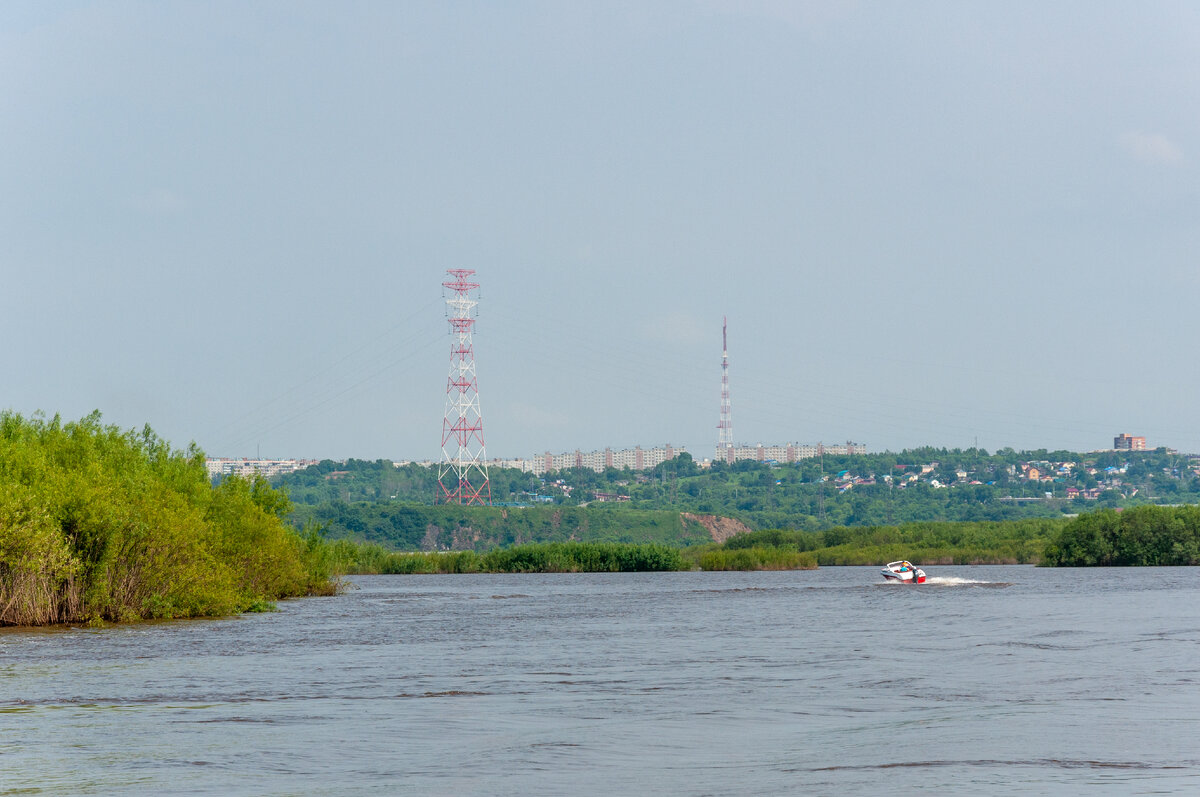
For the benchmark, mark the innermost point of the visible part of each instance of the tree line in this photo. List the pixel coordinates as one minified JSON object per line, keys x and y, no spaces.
{"x":1146,"y":535}
{"x":887,"y":489}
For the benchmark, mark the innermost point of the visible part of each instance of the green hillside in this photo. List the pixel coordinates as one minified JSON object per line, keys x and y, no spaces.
{"x":415,"y":527}
{"x":377,"y":501}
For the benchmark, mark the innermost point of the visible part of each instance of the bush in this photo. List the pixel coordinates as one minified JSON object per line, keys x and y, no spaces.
{"x":1144,"y":535}
{"x":98,"y":524}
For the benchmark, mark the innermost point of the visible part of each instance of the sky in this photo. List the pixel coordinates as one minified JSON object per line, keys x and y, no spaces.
{"x":928,"y":223}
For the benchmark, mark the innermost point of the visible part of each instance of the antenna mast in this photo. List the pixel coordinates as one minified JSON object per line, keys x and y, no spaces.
{"x":462,"y":476}
{"x":725,"y":425}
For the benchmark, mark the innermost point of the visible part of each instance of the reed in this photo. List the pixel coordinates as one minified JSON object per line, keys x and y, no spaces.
{"x":757,"y":559}
{"x":974,"y":542}
{"x":565,"y":557}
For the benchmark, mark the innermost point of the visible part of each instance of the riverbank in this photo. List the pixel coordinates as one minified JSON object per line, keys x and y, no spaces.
{"x":939,"y":543}
{"x":1015,"y":542}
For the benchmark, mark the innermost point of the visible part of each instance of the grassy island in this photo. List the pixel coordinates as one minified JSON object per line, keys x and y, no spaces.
{"x":1137,"y":536}
{"x":936,"y":543}
{"x":983,"y":542}
{"x":99,"y":524}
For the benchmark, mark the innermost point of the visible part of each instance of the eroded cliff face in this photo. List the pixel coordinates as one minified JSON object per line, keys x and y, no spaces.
{"x":720,"y":528}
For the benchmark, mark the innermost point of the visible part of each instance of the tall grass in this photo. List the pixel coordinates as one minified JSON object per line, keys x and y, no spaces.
{"x":983,"y":542}
{"x":558,"y":557}
{"x":756,"y":559}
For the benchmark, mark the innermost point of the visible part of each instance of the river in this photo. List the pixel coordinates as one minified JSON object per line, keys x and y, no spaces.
{"x":987,"y":680}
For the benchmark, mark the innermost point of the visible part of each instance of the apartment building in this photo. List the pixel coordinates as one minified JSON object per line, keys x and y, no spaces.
{"x":790,"y":452}
{"x":230,"y":466}
{"x":636,"y":458}
{"x":1124,"y":442}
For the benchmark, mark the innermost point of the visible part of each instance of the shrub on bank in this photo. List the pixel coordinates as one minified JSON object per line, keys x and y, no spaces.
{"x":99,"y":524}
{"x":1139,"y":536}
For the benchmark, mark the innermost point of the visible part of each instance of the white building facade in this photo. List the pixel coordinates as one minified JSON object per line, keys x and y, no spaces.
{"x":229,"y":466}
{"x":790,"y":452}
{"x":636,"y":458}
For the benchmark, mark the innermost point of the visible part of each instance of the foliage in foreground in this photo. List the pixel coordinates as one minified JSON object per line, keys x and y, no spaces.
{"x":98,"y":524}
{"x":566,"y":557}
{"x":1146,"y":535}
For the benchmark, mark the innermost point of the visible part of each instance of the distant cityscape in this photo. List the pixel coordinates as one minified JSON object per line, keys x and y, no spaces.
{"x":635,"y":459}
{"x":463,"y":425}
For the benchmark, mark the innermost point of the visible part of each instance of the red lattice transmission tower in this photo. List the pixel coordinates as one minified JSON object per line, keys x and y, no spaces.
{"x":462,"y":476}
{"x":725,"y":425}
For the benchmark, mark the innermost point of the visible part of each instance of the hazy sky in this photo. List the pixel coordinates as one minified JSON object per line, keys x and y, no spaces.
{"x":927,"y":222}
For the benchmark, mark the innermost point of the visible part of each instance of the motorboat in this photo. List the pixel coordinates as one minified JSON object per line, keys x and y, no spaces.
{"x":904,"y":571}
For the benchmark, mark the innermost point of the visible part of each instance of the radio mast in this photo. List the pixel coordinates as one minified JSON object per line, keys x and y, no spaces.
{"x":462,"y":476}
{"x":725,"y":425}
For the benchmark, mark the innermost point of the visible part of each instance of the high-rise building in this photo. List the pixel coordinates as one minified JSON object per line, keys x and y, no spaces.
{"x":792,"y":452}
{"x":725,"y":424}
{"x":1124,"y":442}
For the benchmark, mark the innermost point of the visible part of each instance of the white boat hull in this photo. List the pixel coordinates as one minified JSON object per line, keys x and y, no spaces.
{"x":903,"y":572}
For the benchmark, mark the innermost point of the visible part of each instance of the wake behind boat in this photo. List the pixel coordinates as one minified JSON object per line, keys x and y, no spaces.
{"x":903,"y":571}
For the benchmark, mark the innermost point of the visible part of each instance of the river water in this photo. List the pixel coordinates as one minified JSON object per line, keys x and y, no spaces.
{"x":987,"y":680}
